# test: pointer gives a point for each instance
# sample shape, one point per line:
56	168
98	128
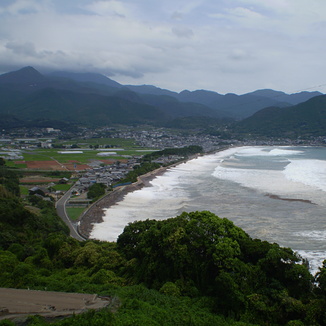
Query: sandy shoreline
95	213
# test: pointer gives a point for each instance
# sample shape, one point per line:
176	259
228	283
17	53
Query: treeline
139	170
183	151
147	165
194	269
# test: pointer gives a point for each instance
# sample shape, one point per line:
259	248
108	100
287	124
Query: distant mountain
88	98
151	90
89	109
171	106
231	105
25	76
242	106
29	80
86	77
200	96
304	119
283	97
228	106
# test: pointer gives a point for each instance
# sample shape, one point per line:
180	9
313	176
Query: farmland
75	155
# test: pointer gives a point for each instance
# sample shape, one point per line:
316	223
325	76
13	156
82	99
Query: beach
95	213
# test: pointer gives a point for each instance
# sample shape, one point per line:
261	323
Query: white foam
317	235
165	198
309	172
264	151
315	259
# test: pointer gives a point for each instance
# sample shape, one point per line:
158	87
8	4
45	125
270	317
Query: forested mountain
288	98
27	95
308	119
89	99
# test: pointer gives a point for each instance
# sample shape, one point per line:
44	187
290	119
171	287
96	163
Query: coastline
95	213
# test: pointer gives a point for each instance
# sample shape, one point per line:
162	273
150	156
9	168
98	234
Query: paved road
61	210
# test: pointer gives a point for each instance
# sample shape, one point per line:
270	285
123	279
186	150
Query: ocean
274	193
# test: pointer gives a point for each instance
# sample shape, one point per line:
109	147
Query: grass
52	154
49	154
23	190
118	142
75	212
85	157
12	164
62	187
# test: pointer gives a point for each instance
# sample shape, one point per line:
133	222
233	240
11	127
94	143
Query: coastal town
110	164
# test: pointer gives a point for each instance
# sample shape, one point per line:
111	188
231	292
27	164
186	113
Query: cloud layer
226	46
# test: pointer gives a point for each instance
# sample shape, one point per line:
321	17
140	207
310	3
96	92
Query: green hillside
304	119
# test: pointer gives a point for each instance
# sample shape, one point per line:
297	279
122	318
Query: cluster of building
104	174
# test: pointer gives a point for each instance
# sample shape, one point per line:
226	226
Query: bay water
274	193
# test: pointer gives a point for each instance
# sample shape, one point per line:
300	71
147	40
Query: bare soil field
44	165
55	165
75	166
37	179
17	304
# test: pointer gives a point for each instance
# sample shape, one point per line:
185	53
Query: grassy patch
74	212
85	157
12	164
117	142
62	187
23	190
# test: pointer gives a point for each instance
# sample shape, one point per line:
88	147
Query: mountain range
28	97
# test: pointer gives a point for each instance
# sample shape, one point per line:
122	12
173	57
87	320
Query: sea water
274	193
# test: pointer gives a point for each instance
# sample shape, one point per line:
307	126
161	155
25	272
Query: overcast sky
227	46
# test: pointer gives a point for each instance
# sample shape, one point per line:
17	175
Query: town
110	164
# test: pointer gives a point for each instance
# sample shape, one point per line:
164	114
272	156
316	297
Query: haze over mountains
28	97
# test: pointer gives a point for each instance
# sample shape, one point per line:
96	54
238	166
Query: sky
226	46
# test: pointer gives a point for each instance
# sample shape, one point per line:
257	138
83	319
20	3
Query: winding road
61	211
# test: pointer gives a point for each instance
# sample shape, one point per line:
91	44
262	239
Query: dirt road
18	304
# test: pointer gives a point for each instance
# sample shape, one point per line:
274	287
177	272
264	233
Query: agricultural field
81	153
75	212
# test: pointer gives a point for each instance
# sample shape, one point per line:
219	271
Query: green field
74	212
23	190
85	157
12	164
117	142
62	187
122	147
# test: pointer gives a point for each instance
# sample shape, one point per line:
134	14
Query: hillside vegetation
304	119
63	100
194	269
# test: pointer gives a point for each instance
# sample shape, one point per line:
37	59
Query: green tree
208	253
95	191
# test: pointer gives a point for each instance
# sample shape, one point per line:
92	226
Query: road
61	211
17	305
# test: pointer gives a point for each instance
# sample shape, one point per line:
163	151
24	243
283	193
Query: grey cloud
132	74
239	54
26	48
182	31
177	15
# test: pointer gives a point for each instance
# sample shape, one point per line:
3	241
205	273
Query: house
38	191
63	181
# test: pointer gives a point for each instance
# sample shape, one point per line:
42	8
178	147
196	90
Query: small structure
63	181
37	191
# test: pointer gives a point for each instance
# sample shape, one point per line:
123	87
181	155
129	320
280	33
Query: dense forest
194	269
